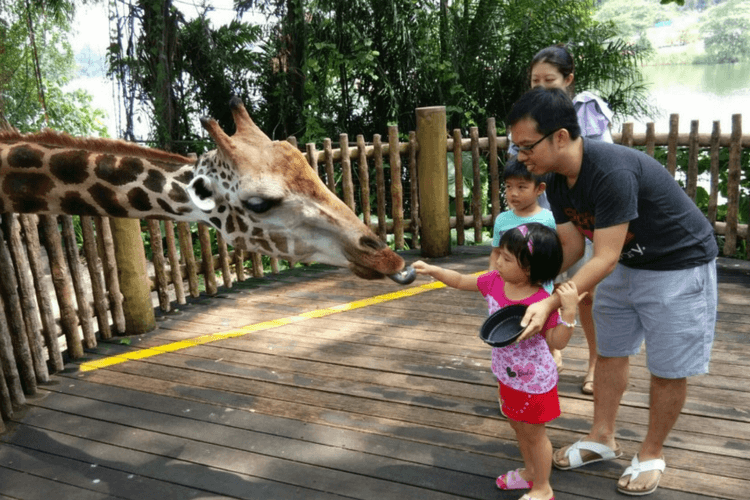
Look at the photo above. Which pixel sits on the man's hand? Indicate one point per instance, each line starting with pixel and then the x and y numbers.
pixel 535 317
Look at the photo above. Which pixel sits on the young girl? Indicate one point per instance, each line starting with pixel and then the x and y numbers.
pixel 529 255
pixel 553 67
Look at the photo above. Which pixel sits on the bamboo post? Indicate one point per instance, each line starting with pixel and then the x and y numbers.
pixel 650 139
pixel 186 251
pixel 346 172
pixel 17 326
pixel 104 238
pixel 692 171
pixel 476 196
pixel 312 157
pixel 414 190
pixel 713 196
pixel 458 169
pixel 377 149
pixel 257 262
pixel 157 258
pixel 131 271
pixel 82 300
pixel 364 179
pixel 627 134
pixel 61 282
pixel 6 404
pixel 12 378
pixel 207 259
pixel 733 186
pixel 674 123
pixel 433 191
pixel 328 155
pixel 493 169
pixel 397 189
pixel 29 308
pixel 226 272
pixel 50 330
pixel 174 262
pixel 239 263
pixel 95 272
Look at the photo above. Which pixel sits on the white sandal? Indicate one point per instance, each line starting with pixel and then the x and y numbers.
pixel 635 469
pixel 573 454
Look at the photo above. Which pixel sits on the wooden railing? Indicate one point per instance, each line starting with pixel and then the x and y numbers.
pixel 57 307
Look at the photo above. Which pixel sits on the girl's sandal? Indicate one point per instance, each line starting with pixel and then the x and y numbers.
pixel 512 480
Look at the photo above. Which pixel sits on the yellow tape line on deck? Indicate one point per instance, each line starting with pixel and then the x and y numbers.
pixel 265 325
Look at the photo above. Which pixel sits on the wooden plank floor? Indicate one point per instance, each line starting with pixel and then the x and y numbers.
pixel 393 399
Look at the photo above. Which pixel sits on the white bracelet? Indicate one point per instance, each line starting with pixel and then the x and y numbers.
pixel 569 325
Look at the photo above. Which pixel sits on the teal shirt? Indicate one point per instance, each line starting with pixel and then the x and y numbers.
pixel 508 220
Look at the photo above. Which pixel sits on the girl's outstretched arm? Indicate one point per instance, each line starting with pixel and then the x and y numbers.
pixel 558 337
pixel 451 278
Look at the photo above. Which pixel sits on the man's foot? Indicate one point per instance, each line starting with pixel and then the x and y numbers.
pixel 641 478
pixel 583 453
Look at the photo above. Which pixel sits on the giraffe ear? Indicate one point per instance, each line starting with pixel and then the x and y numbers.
pixel 201 193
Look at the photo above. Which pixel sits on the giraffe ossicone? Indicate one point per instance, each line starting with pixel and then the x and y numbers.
pixel 262 195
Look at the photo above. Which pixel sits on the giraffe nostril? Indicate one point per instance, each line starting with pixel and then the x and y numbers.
pixel 372 243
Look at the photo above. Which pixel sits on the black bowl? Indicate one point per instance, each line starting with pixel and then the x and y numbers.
pixel 503 326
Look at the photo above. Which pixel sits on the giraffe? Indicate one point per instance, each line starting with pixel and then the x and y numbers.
pixel 260 194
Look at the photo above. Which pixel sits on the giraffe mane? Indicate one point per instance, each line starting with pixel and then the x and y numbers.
pixel 95 144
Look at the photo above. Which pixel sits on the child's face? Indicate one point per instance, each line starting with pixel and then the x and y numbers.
pixel 548 76
pixel 509 268
pixel 522 194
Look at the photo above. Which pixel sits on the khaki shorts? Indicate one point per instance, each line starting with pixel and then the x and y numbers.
pixel 673 312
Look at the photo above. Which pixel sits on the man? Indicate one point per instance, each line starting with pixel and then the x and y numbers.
pixel 654 263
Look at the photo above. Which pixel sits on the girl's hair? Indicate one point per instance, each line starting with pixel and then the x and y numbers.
pixel 559 57
pixel 538 250
pixel 514 169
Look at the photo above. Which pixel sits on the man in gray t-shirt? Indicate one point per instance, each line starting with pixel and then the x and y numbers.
pixel 654 264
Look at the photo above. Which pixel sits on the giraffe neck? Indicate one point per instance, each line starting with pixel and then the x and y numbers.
pixel 57 174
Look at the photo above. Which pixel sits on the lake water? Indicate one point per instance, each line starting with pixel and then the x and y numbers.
pixel 699 92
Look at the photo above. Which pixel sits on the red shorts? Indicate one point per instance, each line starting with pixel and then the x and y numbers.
pixel 529 408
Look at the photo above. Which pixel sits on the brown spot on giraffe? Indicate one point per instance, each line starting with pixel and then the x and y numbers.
pixel 107 199
pixel 72 203
pixel 140 200
pixel 119 173
pixel 71 167
pixel 25 156
pixel 155 181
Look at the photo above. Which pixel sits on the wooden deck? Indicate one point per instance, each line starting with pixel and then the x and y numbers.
pixel 385 399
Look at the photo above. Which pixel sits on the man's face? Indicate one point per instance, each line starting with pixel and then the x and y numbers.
pixel 534 150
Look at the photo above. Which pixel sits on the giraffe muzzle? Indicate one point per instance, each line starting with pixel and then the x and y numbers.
pixel 404 276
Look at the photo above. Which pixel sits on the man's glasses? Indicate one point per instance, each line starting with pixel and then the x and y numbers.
pixel 529 149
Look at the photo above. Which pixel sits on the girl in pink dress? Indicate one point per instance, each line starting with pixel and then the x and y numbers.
pixel 530 254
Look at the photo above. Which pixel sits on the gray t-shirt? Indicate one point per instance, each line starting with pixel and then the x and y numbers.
pixel 618 184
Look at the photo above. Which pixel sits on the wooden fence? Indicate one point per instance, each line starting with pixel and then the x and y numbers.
pixel 58 301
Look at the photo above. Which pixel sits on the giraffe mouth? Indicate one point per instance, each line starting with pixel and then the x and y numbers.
pixel 402 277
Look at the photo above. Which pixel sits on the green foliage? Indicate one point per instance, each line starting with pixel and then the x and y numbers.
pixel 726 32
pixel 20 95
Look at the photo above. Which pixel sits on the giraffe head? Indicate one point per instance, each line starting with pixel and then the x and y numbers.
pixel 265 197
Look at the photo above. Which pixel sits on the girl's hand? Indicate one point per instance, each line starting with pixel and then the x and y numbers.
pixel 569 297
pixel 423 268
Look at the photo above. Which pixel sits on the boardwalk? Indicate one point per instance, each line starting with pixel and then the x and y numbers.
pixel 383 399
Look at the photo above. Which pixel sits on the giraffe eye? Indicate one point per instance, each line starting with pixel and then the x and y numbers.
pixel 259 205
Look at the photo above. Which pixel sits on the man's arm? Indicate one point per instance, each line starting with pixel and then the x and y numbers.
pixel 608 243
pixel 573 243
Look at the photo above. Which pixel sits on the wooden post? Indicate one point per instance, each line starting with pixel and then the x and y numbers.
pixel 207 259
pixel 493 168
pixel 377 149
pixel 95 272
pixel 174 262
pixel 713 197
pixel 733 186
pixel 650 139
pixel 458 170
pixel 160 268
pixel 692 171
pixel 674 123
pixel 131 271
pixel 414 190
pixel 397 188
pixel 432 169
pixel 346 171
pixel 364 179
